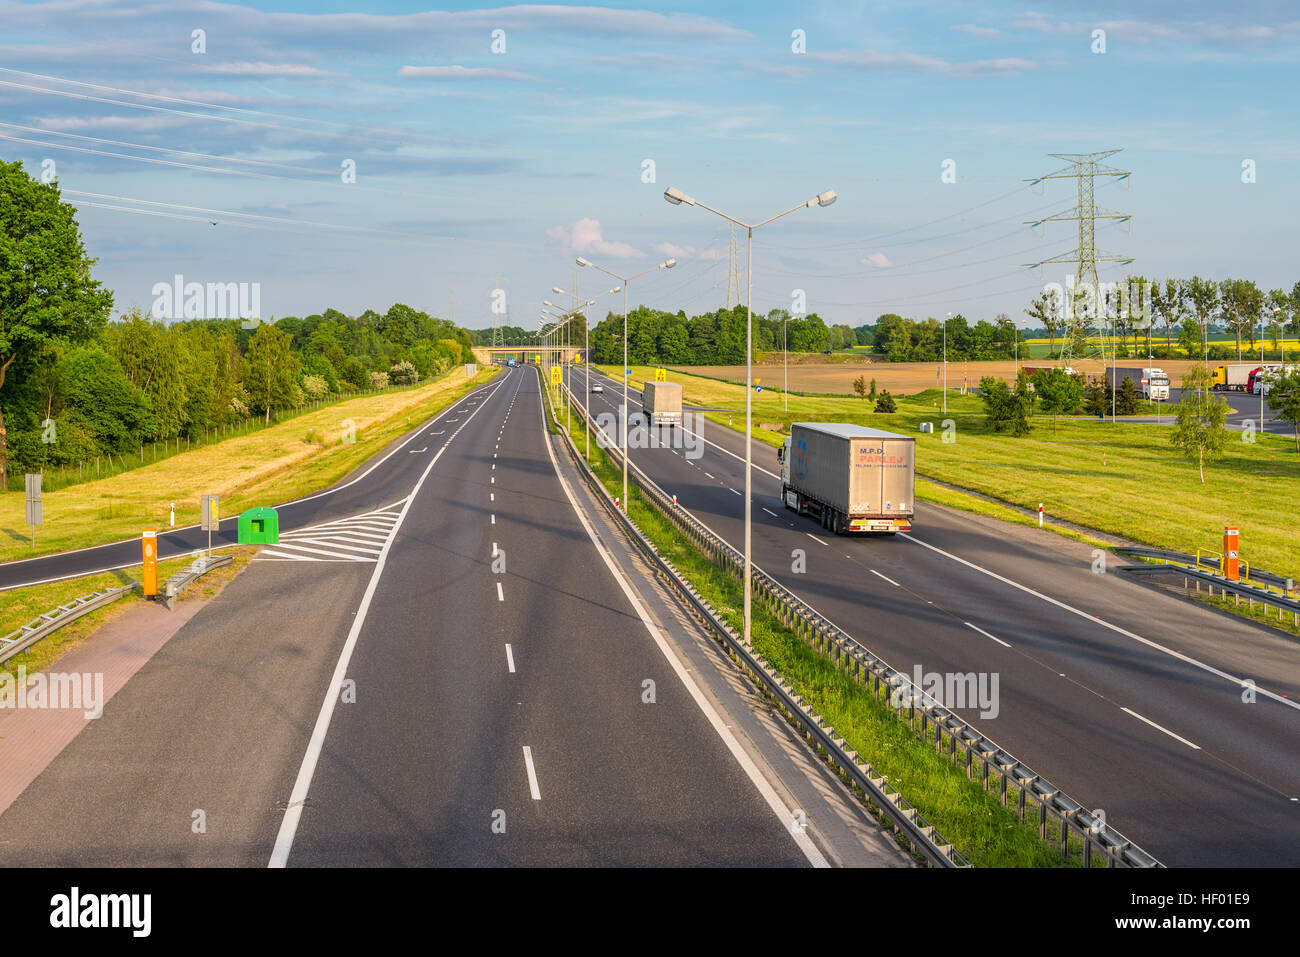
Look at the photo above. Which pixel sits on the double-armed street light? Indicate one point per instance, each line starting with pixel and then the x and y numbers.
pixel 666 264
pixel 676 197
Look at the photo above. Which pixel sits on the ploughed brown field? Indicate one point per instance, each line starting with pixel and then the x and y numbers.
pixel 907 378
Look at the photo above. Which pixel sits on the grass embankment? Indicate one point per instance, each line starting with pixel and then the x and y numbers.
pixel 986 833
pixel 267 467
pixel 21 605
pixel 1121 478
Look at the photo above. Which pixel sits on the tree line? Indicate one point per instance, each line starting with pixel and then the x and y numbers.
pixel 1187 309
pixel 75 385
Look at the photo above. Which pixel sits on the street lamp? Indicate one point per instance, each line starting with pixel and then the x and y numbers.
pixel 586 325
pixel 666 264
pixel 676 197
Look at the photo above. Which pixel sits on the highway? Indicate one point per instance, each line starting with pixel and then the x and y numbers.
pixel 372 487
pixel 1129 698
pixel 477 696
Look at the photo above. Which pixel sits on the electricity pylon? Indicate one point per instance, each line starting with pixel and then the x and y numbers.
pixel 733 270
pixel 1084 167
pixel 498 337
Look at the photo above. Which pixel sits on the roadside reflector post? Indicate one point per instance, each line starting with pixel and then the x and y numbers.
pixel 1040 514
pixel 172 519
pixel 149 545
pixel 674 501
pixel 1230 555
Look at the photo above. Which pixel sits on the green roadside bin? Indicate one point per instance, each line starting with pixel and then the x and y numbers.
pixel 259 526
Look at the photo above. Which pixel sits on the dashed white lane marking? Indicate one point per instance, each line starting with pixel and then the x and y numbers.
pixel 816 539
pixel 769 511
pixel 532 774
pixel 501 596
pixel 510 659
pixel 710 476
pixel 494 480
pixel 438 433
pixel 987 635
pixel 494 519
pixel 417 451
pixel 316 744
pixel 1280 699
pixel 1195 747
pixel 885 577
pixel 492 496
pixel 730 489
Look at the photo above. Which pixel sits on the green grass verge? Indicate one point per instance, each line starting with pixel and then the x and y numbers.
pixel 21 605
pixel 986 833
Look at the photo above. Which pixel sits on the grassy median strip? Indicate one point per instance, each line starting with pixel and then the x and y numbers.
pixel 21 605
pixel 271 465
pixel 1119 478
pixel 986 833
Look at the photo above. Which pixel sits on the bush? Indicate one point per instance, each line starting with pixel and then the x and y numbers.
pixel 314 387
pixel 404 373
pixel 379 380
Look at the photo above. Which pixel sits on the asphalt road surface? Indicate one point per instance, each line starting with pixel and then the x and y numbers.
pixel 1128 698
pixel 486 693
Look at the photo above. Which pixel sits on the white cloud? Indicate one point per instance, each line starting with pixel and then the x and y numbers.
pixel 984 33
pixel 688 252
pixel 877 261
pixel 586 236
pixel 249 68
pixel 874 60
pixel 456 72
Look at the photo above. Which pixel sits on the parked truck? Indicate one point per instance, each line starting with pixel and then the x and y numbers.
pixel 853 478
pixel 1233 377
pixel 1262 378
pixel 662 402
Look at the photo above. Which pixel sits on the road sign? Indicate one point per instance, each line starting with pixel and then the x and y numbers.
pixel 33 502
pixel 149 547
pixel 211 513
pixel 661 375
pixel 555 375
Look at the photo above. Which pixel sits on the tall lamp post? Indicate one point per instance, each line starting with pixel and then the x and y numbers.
pixel 586 325
pixel 666 264
pixel 676 197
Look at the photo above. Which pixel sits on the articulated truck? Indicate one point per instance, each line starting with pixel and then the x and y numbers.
pixel 662 402
pixel 1234 377
pixel 1150 383
pixel 853 478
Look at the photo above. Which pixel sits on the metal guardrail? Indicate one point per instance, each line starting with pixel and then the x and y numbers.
pixel 186 576
pixel 1225 585
pixel 905 819
pixel 927 718
pixel 18 641
pixel 1183 558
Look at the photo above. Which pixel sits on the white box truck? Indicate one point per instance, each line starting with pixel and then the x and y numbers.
pixel 853 478
pixel 662 402
pixel 1154 385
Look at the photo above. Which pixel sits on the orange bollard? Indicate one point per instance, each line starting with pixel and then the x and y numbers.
pixel 1230 555
pixel 149 542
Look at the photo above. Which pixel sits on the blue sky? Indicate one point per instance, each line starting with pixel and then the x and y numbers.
pixel 473 164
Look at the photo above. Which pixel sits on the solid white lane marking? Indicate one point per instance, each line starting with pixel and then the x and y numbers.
pixel 1196 747
pixel 783 814
pixel 510 659
pixel 302 784
pixel 1281 699
pixel 885 577
pixel 532 774
pixel 501 596
pixel 987 635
